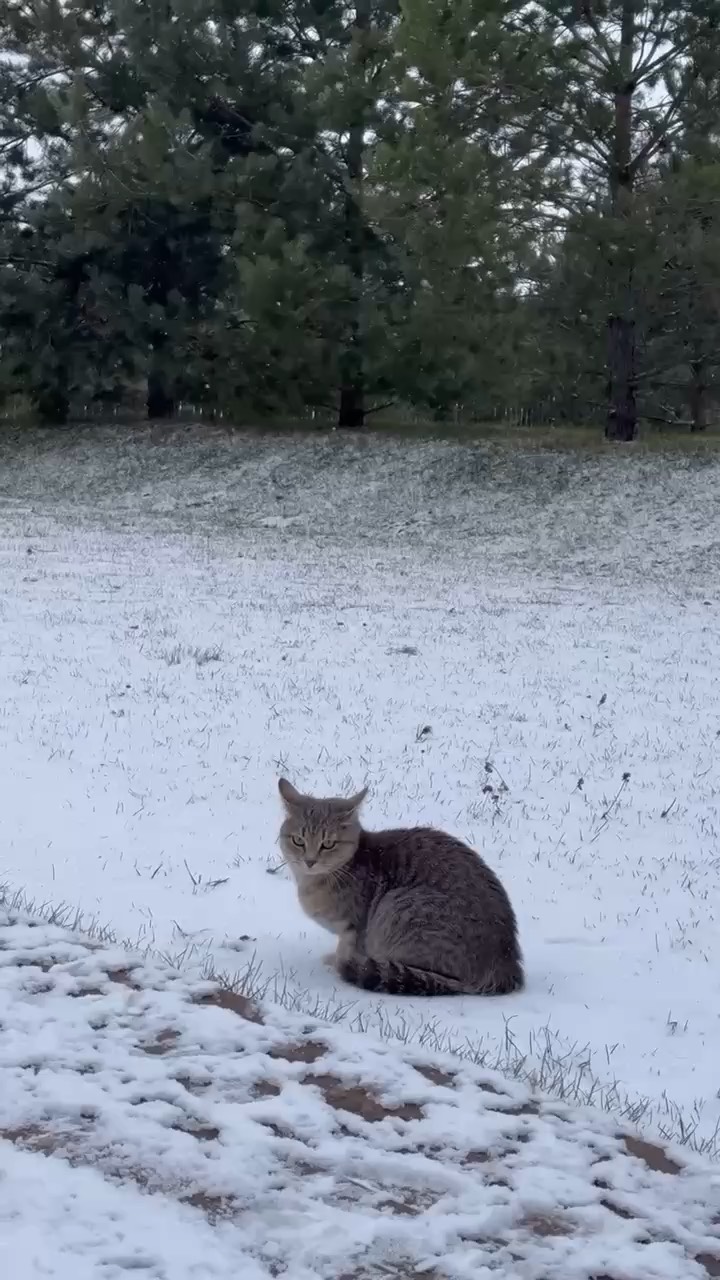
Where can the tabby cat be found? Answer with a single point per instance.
(415, 911)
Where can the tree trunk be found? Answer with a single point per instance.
(53, 406)
(351, 411)
(621, 423)
(160, 400)
(159, 403)
(698, 396)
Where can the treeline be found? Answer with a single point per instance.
(272, 207)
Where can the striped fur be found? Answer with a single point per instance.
(395, 979)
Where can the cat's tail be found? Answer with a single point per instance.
(397, 979)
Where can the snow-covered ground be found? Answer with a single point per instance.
(523, 649)
(152, 1126)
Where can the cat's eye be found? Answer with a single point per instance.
(298, 842)
(327, 845)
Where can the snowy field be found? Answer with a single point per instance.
(522, 648)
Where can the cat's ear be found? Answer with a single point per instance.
(289, 795)
(352, 804)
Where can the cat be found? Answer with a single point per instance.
(416, 911)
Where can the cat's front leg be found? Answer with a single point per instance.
(346, 945)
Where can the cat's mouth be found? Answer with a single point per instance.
(319, 867)
(316, 868)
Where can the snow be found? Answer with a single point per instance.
(522, 649)
(145, 1129)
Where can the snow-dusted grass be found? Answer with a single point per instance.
(520, 648)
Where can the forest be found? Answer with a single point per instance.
(438, 209)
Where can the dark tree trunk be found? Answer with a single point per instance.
(53, 406)
(698, 396)
(351, 412)
(622, 408)
(159, 403)
(621, 423)
(160, 400)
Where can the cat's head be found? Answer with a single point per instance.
(318, 836)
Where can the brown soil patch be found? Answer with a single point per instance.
(212, 1206)
(545, 1224)
(394, 1271)
(617, 1209)
(45, 963)
(233, 1001)
(653, 1155)
(32, 1137)
(524, 1109)
(191, 1085)
(163, 1042)
(306, 1169)
(435, 1075)
(357, 1100)
(408, 1202)
(124, 977)
(203, 1132)
(266, 1089)
(710, 1263)
(279, 1130)
(487, 1087)
(38, 988)
(307, 1051)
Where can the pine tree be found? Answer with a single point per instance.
(680, 282)
(459, 183)
(54, 347)
(624, 78)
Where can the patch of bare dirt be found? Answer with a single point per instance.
(279, 1130)
(477, 1157)
(394, 1271)
(436, 1075)
(547, 1224)
(358, 1101)
(125, 978)
(163, 1043)
(613, 1207)
(265, 1089)
(46, 1142)
(307, 1051)
(654, 1156)
(213, 1206)
(408, 1202)
(193, 1085)
(233, 1001)
(44, 963)
(202, 1132)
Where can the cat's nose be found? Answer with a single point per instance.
(310, 859)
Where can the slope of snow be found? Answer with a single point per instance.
(152, 1125)
(525, 653)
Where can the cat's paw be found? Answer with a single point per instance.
(330, 960)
